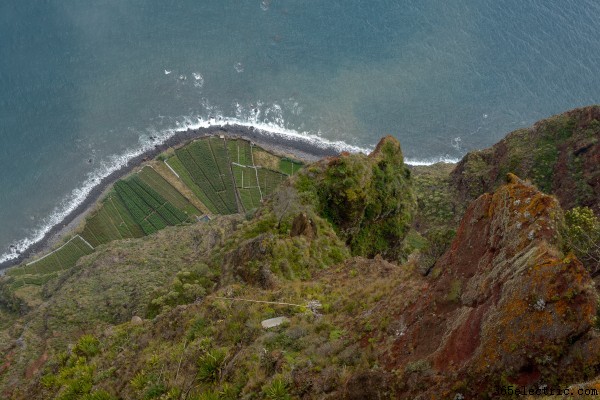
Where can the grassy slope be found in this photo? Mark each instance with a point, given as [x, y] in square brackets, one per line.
[194, 343]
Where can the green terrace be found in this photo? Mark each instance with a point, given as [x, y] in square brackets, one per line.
[206, 177]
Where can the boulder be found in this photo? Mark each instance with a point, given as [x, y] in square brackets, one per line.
[273, 322]
[303, 226]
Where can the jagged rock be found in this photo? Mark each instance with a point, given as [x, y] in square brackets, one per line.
[369, 199]
[303, 226]
[507, 305]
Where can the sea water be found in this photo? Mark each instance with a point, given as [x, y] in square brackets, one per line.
[86, 84]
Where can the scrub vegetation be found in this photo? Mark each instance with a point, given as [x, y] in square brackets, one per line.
[380, 281]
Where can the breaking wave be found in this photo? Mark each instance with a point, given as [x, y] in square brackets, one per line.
[268, 120]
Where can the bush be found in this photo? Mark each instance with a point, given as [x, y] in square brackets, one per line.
[99, 395]
[368, 199]
[87, 346]
[438, 240]
[9, 301]
[582, 236]
[185, 288]
[277, 390]
[209, 365]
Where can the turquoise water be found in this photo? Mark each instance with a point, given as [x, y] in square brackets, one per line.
[83, 83]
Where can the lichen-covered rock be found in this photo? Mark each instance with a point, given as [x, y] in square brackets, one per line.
[506, 308]
[368, 199]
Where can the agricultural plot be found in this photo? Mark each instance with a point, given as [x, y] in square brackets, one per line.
[256, 172]
[219, 151]
[289, 167]
[103, 227]
[216, 171]
[202, 154]
[119, 210]
[153, 179]
[175, 163]
[250, 197]
[211, 174]
[41, 270]
[239, 152]
[269, 180]
[247, 185]
[200, 179]
[148, 208]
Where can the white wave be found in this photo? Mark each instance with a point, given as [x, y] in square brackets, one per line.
[73, 200]
[431, 161]
[198, 79]
[272, 125]
[114, 163]
[273, 129]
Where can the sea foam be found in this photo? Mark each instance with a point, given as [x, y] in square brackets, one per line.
[116, 162]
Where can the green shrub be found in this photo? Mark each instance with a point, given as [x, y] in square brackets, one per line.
[438, 241]
[418, 366]
[368, 200]
[582, 236]
[9, 301]
[98, 395]
[208, 395]
[209, 365]
[277, 390]
[87, 346]
[455, 291]
[185, 288]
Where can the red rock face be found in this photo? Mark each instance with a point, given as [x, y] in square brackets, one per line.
[507, 306]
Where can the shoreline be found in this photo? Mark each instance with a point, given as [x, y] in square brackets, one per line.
[302, 149]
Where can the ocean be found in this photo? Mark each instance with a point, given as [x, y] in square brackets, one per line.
[84, 85]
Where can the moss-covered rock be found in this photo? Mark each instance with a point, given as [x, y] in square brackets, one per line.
[368, 199]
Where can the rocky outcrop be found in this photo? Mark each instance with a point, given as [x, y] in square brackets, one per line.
[506, 308]
[560, 155]
[368, 199]
[303, 226]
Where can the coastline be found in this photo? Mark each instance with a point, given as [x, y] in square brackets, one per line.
[302, 149]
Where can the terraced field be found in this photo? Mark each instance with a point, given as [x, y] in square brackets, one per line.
[153, 179]
[289, 167]
[39, 271]
[225, 176]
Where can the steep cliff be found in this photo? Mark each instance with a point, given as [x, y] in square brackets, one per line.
[560, 155]
[368, 199]
[333, 260]
[505, 306]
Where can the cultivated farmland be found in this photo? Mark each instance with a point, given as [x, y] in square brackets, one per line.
[38, 272]
[220, 175]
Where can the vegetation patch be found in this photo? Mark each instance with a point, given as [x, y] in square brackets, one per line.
[369, 200]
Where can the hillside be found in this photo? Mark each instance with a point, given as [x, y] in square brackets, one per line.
[206, 177]
[436, 282]
[560, 155]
